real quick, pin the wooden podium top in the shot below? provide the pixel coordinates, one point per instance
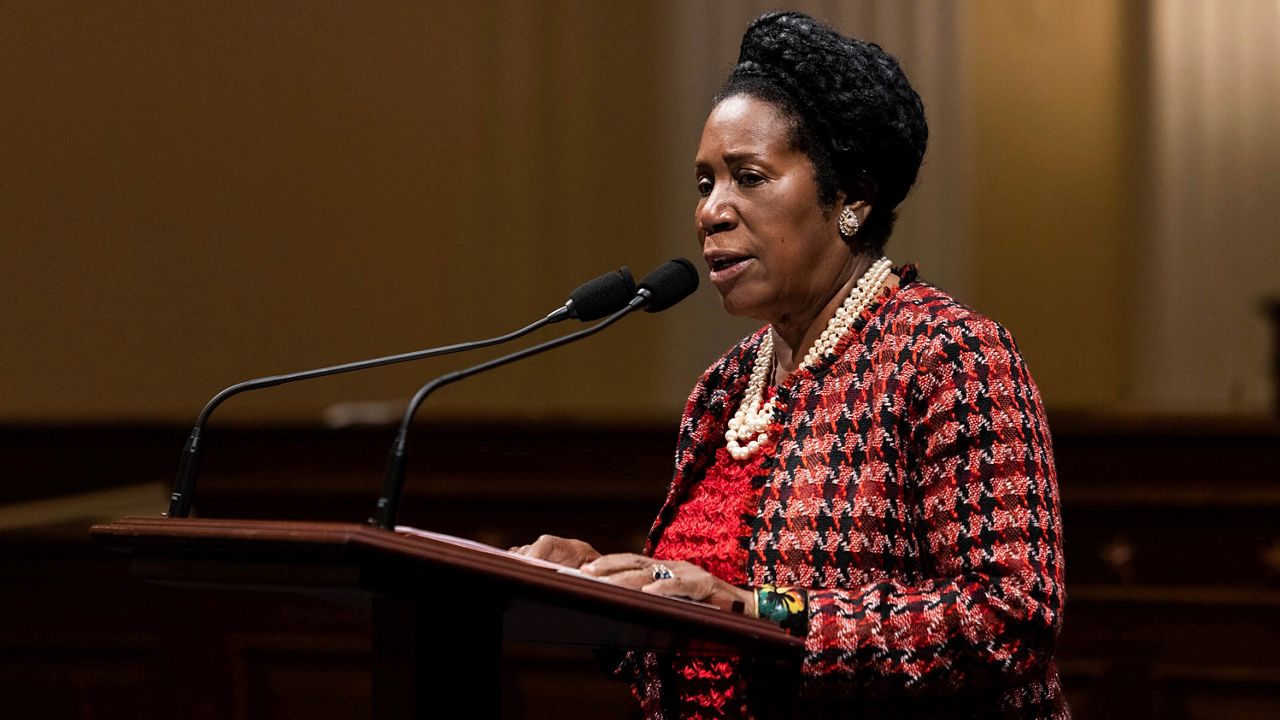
(354, 563)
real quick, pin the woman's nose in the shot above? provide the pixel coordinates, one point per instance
(716, 213)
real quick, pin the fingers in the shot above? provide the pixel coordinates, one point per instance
(634, 579)
(690, 582)
(571, 553)
(547, 547)
(637, 572)
(607, 565)
(671, 587)
(623, 569)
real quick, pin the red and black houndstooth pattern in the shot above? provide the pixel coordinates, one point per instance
(912, 490)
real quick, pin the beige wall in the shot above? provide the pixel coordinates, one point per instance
(196, 193)
(1054, 160)
(1212, 256)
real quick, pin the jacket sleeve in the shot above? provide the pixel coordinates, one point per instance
(989, 608)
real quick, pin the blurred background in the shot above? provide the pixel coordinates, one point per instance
(196, 193)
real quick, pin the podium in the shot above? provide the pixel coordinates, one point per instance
(440, 610)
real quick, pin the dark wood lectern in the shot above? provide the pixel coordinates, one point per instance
(440, 610)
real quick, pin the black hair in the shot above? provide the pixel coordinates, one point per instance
(853, 112)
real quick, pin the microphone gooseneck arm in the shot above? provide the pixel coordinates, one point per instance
(188, 467)
(397, 460)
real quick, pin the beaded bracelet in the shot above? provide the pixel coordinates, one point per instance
(786, 606)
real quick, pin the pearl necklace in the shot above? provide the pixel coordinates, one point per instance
(747, 430)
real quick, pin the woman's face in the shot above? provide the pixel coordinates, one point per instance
(774, 253)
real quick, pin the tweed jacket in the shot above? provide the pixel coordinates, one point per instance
(912, 492)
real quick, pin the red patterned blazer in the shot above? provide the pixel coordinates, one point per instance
(912, 491)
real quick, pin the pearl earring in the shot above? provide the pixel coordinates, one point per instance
(848, 222)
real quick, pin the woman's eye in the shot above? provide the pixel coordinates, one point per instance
(704, 186)
(750, 179)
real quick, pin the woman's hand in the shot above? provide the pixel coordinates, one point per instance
(563, 551)
(687, 580)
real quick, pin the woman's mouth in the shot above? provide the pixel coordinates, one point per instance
(725, 267)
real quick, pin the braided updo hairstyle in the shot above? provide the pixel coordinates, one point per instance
(853, 113)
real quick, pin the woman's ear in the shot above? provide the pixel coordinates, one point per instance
(853, 207)
(861, 208)
(865, 189)
(859, 198)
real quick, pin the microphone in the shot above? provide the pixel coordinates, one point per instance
(667, 285)
(591, 300)
(597, 298)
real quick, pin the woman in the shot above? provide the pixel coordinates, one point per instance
(872, 469)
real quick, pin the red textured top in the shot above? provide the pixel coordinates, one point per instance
(711, 527)
(711, 531)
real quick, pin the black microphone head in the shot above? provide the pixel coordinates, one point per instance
(602, 296)
(669, 283)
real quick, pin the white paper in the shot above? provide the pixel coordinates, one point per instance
(479, 547)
